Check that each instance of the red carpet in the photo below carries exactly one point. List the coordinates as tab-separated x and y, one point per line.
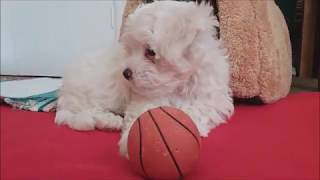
277	141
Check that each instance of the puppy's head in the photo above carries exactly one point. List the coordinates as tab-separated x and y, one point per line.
162	43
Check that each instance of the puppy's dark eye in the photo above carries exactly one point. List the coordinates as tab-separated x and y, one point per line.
150	54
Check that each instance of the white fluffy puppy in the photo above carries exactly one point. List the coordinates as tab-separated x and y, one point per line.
167	56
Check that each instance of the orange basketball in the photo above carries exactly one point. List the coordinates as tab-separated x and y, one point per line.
163	143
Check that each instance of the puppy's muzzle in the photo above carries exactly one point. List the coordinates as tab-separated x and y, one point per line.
127	73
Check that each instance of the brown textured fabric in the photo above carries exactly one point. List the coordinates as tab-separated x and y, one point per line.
257	39
242	47
275	74
256	36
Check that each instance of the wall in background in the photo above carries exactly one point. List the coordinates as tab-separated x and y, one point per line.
41	37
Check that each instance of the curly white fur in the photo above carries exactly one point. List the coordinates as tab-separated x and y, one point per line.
190	71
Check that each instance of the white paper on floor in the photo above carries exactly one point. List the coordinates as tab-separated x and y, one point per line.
29	87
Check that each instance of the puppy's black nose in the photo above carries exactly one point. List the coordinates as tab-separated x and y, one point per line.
127	73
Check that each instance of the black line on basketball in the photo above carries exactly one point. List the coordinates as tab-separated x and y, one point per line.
184	126
166	144
140	149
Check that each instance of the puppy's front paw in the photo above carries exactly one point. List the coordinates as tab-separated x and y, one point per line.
81	121
108	120
123	144
61	117
198	119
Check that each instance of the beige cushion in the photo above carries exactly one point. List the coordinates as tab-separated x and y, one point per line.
257	38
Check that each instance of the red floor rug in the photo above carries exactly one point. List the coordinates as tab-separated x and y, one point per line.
276	141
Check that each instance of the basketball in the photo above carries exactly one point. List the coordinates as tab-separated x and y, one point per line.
163	143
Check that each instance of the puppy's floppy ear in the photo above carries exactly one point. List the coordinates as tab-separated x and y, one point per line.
127	37
197	20
202	19
134	38
206	19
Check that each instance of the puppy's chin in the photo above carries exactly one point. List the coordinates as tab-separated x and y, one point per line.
148	91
